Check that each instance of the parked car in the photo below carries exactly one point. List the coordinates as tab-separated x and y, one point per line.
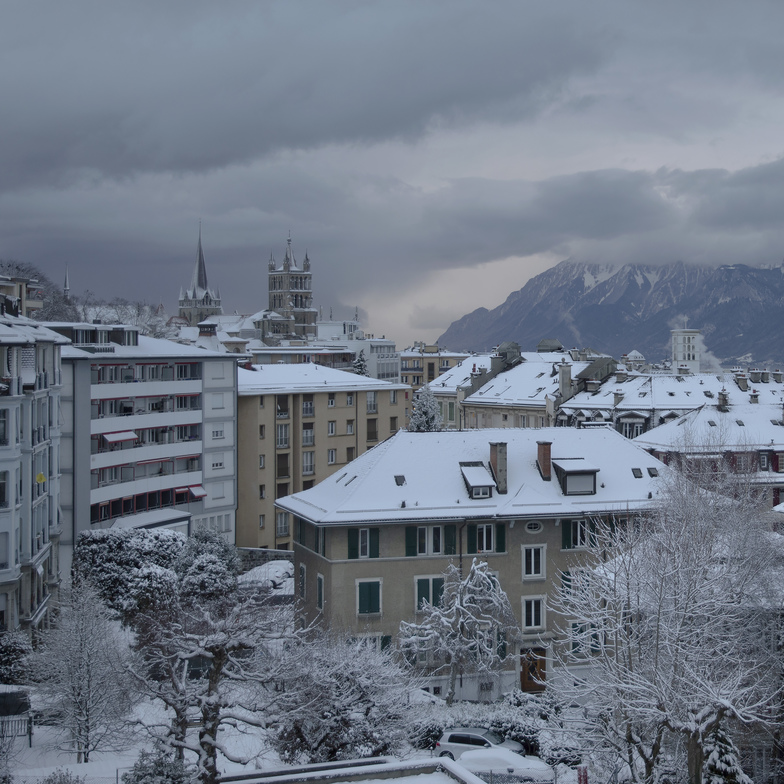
457	740
501	766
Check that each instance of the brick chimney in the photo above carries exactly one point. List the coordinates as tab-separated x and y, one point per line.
543	459
498	464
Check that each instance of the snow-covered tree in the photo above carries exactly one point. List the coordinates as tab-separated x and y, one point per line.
78	669
359	365
466	631
722	763
15	647
342	699
667	627
157	767
426	415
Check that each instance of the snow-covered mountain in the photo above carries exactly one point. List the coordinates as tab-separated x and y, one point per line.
740	310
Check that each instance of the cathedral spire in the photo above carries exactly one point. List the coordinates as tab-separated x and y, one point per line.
199	279
67	284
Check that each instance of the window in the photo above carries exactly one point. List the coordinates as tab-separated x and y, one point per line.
307	405
763	461
261	521
308	463
282	440
451	411
4	427
372	430
350	452
428	589
534	562
533	527
4	489
533	613
261	431
217	462
653	471
320	591
217	400
349	398
332	456
281	524
368	597
484	538
302	581
574	534
363	542
372	406
331	428
282	406
429	540
261	401
262	492
282	465
261	461
480	492
393	425
350	427
331	400
308	434
393	396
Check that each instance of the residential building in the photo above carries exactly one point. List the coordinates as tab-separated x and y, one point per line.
422	364
452	387
30	466
530	393
199	302
298	424
373	541
744	438
149	433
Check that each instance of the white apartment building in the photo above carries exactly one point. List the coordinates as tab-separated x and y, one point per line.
149	433
30	520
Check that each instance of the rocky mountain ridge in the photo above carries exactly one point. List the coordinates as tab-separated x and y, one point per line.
740	310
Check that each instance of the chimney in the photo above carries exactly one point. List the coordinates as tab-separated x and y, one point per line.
765	376
754	396
723	400
755	375
617	397
498	464
777	376
543	459
565	380
742	382
620	375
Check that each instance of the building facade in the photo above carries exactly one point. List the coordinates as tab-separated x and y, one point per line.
149	433
298	424
199	302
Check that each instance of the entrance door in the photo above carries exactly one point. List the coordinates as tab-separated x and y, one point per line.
532	669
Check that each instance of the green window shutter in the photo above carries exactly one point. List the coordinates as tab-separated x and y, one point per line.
374	542
566	534
386	641
364	598
450	540
353	542
423	591
500	537
411	541
438	589
374	597
471	539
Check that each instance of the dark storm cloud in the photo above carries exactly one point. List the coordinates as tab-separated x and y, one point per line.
189	87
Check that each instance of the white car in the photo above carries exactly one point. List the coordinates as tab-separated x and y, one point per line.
502	765
456	741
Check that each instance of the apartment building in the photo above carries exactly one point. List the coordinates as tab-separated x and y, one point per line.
149	433
374	540
422	364
298	424
30	520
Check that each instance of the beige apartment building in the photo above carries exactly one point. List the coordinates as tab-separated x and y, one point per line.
297	425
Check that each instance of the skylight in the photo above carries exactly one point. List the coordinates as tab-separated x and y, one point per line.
711	423
400	480
740	422
637	472
653	471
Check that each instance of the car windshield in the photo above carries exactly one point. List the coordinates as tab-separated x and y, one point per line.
493	738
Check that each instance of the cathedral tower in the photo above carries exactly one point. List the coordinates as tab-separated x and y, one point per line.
290	295
199	302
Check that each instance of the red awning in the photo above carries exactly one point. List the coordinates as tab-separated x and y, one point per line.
198	491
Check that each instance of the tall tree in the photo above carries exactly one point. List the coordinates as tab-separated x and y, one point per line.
79	669
466	630
426	415
359	365
667	629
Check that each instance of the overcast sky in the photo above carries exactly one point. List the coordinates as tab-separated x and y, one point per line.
430	156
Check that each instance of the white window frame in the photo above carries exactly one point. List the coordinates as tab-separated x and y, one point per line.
429	578
280	518
350	427
430	537
363	544
580	535
261	461
308	463
485	532
393	397
537	551
332	456
217	462
331	425
349	399
534	601
330	400
282	437
380	581
261	521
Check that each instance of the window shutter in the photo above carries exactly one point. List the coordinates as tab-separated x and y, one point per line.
319	592
374	597
363	598
411	541
423	591
438	589
500	537
471	539
353	543
566	534
374	542
450	539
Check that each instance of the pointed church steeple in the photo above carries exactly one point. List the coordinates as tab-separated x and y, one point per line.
199	279
199	301
67	284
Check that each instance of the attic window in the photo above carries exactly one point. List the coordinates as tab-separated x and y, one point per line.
400	480
540	375
481	492
671	394
637	472
707	393
653	471
740	423
711	423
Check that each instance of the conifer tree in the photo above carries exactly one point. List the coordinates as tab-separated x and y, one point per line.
426	415
722	765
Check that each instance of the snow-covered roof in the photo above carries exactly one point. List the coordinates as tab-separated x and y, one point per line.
740	428
525	384
459	375
305	377
674	392
148	347
417	476
276	576
20	330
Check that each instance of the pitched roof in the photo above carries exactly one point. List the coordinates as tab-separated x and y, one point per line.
305	377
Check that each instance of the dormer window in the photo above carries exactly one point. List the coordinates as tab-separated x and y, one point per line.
478	479
480	492
575	475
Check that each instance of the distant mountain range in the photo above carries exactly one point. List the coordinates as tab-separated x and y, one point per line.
740	310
